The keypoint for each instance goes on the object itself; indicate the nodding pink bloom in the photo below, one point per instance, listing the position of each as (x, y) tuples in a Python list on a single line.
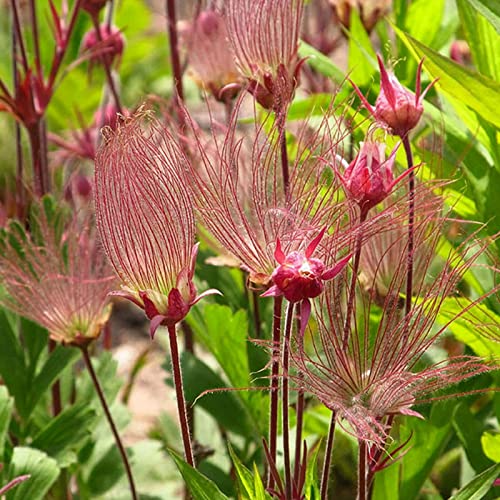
[(396, 107), (369, 179), (237, 187), (145, 219), (460, 52), (209, 54), (370, 11), (299, 276), (378, 374), (105, 45), (264, 35), (57, 278)]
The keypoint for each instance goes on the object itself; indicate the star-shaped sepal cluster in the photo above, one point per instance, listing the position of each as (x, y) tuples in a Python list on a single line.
[(300, 277)]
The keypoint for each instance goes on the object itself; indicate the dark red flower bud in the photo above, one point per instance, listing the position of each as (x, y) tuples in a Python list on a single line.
[(109, 42)]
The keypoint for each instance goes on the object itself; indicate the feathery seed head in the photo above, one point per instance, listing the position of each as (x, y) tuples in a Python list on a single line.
[(56, 276), (145, 218), (210, 58), (264, 35)]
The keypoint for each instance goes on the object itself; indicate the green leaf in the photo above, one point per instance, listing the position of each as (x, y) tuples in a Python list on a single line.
[(469, 430), (243, 475), (200, 486), (480, 93), (432, 12), (490, 9), (224, 406), (66, 432), (311, 485), (6, 405), (321, 63), (42, 469), (483, 40), (362, 58), (491, 445), (58, 360), (479, 486)]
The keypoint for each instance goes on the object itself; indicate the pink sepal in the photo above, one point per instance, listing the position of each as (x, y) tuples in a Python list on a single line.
[(336, 269), (411, 413), (149, 306), (210, 291), (274, 291), (305, 314), (314, 244), (278, 253), (155, 323), (125, 295)]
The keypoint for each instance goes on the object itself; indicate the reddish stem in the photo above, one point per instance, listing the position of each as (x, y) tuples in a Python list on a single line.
[(285, 398), (274, 385), (362, 469), (114, 430), (325, 476), (179, 392)]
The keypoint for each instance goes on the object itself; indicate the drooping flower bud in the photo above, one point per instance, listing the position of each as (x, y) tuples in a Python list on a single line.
[(398, 109), (299, 276), (369, 179), (211, 61), (264, 35), (107, 44), (370, 11), (460, 52)]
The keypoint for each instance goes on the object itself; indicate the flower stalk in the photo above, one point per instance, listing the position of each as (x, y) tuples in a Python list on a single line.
[(109, 417)]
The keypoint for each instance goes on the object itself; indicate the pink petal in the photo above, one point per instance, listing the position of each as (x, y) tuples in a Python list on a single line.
[(411, 413), (386, 83), (206, 293), (336, 269)]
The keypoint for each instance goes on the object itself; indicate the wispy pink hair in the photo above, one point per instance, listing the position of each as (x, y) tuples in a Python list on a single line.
[(60, 281)]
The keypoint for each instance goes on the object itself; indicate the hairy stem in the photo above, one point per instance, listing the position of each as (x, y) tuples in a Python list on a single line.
[(114, 430), (56, 387), (325, 476), (174, 57), (411, 229), (285, 398), (179, 392), (362, 466), (284, 161), (300, 414), (274, 384), (351, 298)]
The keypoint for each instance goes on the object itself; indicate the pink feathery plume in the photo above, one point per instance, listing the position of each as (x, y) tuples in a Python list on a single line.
[(264, 35), (376, 376), (58, 278), (145, 218)]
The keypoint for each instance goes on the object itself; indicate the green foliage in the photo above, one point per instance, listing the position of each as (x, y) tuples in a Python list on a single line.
[(479, 486)]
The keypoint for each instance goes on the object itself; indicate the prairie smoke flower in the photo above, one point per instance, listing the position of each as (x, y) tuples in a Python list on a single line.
[(264, 35), (370, 11), (299, 276), (396, 107), (376, 376), (209, 54), (60, 281), (145, 219), (239, 197), (369, 179), (93, 7)]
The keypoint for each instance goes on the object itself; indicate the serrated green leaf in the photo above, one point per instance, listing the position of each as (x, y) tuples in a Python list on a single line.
[(479, 486), (479, 93), (66, 432), (200, 486), (42, 469), (490, 441)]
